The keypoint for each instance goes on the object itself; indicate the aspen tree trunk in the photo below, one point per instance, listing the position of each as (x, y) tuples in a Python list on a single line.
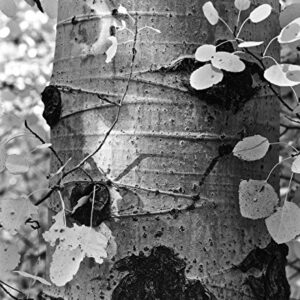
[(180, 230)]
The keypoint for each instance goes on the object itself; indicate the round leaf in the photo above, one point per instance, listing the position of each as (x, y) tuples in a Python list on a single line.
[(277, 74), (260, 13), (242, 4), (296, 165), (227, 61), (290, 33), (8, 7), (284, 224), (251, 148), (17, 164), (210, 13), (205, 53), (290, 13), (257, 199), (64, 265), (250, 44), (205, 77)]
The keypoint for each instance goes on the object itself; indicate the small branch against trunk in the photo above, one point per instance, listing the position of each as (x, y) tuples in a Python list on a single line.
[(43, 142), (81, 163), (269, 84), (118, 113), (69, 89)]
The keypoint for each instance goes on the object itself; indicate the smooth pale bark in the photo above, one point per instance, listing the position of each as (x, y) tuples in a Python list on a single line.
[(166, 135)]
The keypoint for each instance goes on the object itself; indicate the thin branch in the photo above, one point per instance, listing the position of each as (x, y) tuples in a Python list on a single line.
[(269, 84), (69, 89), (80, 164), (285, 177), (11, 287), (47, 195), (8, 293), (43, 142), (291, 119), (289, 127), (118, 113), (284, 132)]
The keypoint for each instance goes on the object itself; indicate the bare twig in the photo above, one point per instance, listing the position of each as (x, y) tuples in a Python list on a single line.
[(81, 163), (43, 142), (7, 292), (69, 89), (268, 83), (118, 113), (11, 287)]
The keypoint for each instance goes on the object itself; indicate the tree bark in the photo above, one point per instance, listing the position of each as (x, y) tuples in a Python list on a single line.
[(179, 233)]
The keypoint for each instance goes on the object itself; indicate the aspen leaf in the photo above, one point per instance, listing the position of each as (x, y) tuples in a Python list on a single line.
[(210, 13), (296, 165), (205, 77), (38, 278), (257, 199), (242, 4), (50, 7), (15, 212), (91, 242), (290, 13), (277, 74), (56, 231), (260, 13), (284, 224), (3, 156), (17, 164), (249, 44), (64, 265), (251, 148), (9, 257), (205, 53), (290, 33), (112, 50), (8, 7), (227, 61), (76, 242)]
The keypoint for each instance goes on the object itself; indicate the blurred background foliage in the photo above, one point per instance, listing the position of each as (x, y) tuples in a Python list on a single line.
[(26, 53)]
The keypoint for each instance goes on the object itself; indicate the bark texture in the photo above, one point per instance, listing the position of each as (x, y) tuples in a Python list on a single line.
[(168, 151)]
